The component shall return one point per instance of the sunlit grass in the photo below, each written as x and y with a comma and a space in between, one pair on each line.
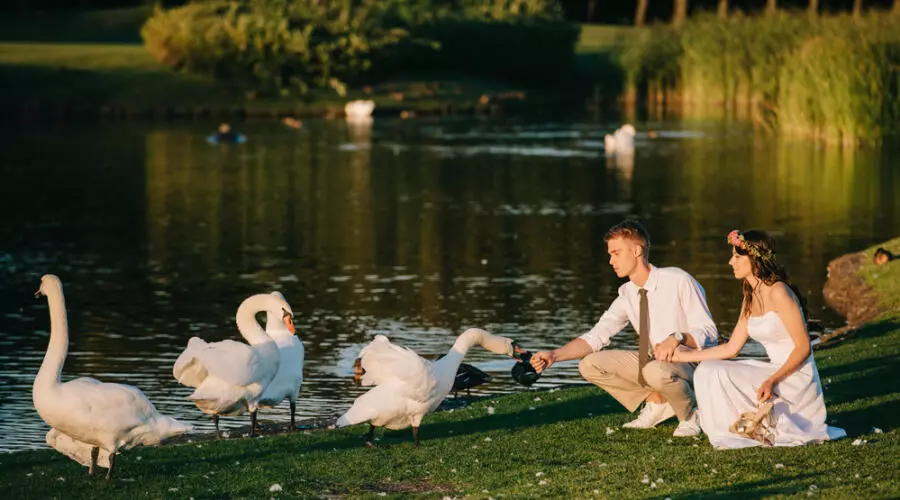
565, 443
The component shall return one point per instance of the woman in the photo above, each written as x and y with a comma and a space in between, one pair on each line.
773, 314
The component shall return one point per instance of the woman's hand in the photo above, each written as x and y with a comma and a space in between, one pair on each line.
765, 391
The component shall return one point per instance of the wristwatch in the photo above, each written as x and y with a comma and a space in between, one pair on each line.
679, 337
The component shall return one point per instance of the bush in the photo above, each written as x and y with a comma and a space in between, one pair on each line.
278, 44
275, 44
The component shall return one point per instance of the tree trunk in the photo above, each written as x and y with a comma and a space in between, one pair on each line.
771, 6
641, 13
680, 12
857, 8
591, 9
813, 7
723, 9
896, 9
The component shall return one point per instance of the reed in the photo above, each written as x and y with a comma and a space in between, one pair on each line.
834, 78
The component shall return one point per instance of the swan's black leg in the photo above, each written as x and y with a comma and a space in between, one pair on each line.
293, 411
370, 437
112, 460
216, 421
416, 435
95, 451
253, 423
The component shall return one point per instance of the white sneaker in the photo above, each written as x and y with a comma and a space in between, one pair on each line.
651, 415
689, 426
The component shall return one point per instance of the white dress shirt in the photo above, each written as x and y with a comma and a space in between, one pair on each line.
675, 302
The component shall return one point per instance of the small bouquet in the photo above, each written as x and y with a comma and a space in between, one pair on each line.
758, 425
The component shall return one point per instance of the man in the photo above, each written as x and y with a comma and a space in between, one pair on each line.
668, 309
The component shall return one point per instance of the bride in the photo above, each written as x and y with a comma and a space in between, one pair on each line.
773, 314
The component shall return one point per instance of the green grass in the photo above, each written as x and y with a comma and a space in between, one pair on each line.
563, 439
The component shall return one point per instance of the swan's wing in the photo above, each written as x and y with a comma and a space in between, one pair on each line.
383, 360
75, 449
95, 397
385, 402
189, 369
233, 362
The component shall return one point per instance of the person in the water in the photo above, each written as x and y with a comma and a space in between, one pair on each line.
226, 136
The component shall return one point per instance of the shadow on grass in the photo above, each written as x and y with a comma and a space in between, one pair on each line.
752, 489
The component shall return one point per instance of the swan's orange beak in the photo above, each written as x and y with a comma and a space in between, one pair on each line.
289, 322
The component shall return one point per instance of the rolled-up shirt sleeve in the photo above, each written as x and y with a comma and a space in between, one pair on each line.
700, 323
611, 322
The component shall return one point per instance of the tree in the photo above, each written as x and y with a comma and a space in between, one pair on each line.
641, 13
813, 7
680, 14
723, 9
857, 8
771, 6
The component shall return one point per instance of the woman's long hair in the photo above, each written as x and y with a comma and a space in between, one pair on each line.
759, 246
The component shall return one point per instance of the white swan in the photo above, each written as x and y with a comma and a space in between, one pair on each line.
289, 378
229, 377
87, 415
621, 141
407, 387
359, 110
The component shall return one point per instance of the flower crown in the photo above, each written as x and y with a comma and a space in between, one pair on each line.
737, 240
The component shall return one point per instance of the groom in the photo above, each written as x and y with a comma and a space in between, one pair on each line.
667, 308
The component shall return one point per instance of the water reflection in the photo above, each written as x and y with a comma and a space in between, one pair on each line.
415, 229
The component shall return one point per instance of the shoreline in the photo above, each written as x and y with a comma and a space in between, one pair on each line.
560, 442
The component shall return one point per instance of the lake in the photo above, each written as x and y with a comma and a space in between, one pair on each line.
416, 229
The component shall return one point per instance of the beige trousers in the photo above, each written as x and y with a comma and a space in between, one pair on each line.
617, 372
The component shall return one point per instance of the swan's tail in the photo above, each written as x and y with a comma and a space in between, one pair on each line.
156, 430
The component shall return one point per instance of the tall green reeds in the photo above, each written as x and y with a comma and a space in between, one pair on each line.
830, 77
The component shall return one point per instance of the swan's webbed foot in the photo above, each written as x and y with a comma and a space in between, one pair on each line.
95, 452
112, 460
293, 411
370, 437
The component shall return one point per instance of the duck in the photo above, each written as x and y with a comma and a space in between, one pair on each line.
291, 122
406, 386
359, 110
621, 141
88, 416
289, 377
229, 377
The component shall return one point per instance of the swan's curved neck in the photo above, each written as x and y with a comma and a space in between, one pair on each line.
471, 337
246, 319
51, 368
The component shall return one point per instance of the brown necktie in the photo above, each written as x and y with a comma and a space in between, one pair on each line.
643, 336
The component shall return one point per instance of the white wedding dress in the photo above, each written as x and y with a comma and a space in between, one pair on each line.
725, 389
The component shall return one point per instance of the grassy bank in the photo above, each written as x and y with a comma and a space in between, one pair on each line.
563, 443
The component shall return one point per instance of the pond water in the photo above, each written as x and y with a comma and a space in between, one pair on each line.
416, 229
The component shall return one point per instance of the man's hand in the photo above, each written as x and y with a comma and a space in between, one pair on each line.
666, 349
542, 360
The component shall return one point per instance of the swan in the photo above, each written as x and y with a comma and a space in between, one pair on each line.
289, 377
229, 377
359, 110
87, 415
622, 140
407, 387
